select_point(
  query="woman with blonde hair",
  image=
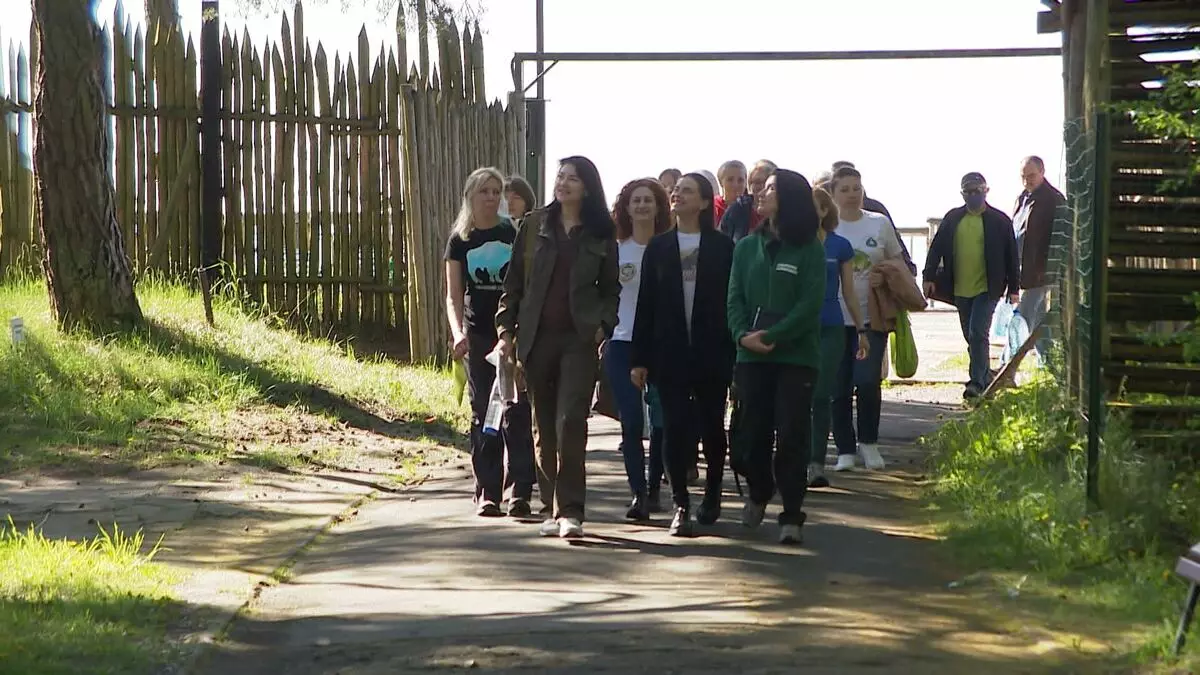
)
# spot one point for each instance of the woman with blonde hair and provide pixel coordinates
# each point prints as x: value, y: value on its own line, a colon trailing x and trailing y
x: 477, y: 257
x: 732, y: 177
x: 839, y: 282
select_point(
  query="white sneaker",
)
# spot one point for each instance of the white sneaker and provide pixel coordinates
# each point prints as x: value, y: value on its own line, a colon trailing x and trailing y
x: 844, y: 463
x: 548, y: 528
x: 570, y: 528
x: 871, y: 457
x: 790, y: 534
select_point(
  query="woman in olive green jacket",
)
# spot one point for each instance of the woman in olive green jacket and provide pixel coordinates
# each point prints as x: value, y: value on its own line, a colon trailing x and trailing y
x: 776, y: 290
x: 559, y: 304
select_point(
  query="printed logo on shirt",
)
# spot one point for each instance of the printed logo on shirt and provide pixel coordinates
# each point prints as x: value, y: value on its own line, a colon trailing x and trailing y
x: 628, y: 272
x: 872, y: 242
x: 488, y: 263
x: 785, y: 267
x: 688, y: 261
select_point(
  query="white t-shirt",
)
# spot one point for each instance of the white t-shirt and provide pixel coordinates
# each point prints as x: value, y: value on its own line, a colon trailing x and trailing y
x: 689, y: 255
x: 874, y: 240
x: 629, y: 262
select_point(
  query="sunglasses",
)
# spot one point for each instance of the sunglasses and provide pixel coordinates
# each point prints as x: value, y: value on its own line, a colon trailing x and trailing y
x: 972, y: 191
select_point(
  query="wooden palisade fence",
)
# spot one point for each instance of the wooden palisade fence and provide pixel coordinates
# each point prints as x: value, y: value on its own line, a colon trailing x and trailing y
x: 341, y: 173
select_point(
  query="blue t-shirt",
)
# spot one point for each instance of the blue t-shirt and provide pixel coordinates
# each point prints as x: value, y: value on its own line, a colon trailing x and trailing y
x: 837, y: 251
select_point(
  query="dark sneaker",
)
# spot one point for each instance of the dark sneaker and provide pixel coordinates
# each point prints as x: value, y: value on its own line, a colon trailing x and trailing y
x: 681, y: 524
x: 638, y: 509
x: 654, y: 501
x: 519, y: 508
x: 816, y: 476
x: 710, y: 509
x: 489, y: 510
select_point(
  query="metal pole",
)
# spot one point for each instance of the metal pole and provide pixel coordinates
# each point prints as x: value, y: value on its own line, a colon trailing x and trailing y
x: 210, y: 140
x: 1096, y: 298
x: 859, y: 55
x: 538, y: 147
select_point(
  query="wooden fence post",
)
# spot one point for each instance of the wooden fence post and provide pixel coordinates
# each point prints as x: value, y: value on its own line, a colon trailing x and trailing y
x: 212, y: 190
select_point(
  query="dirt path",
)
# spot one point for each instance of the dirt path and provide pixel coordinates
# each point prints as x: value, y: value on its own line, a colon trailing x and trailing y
x: 415, y: 583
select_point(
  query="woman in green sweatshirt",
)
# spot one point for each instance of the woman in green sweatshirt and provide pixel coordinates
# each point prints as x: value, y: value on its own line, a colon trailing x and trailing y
x: 776, y: 289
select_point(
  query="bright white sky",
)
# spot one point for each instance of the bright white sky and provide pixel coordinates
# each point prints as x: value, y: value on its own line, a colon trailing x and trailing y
x: 912, y: 127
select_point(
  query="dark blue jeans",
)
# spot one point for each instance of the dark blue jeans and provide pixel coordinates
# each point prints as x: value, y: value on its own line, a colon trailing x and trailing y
x: 861, y: 380
x: 975, y: 317
x: 633, y: 419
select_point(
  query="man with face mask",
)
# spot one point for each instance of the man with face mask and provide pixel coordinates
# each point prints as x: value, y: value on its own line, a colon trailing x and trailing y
x: 972, y: 264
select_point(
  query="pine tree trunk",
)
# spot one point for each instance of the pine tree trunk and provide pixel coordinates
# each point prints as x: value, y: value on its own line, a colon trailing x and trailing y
x: 86, y: 266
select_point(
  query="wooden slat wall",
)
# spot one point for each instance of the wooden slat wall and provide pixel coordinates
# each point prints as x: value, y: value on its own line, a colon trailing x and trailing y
x: 342, y: 175
x: 1153, y: 235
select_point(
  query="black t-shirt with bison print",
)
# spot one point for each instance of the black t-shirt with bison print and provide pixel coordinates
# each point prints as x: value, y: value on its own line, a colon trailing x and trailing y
x: 484, y: 256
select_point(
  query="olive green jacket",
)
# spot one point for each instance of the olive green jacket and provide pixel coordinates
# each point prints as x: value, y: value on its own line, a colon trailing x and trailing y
x: 595, y: 286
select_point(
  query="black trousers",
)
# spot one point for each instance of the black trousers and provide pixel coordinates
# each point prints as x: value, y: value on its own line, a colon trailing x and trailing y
x: 487, y: 450
x: 693, y: 413
x: 775, y: 418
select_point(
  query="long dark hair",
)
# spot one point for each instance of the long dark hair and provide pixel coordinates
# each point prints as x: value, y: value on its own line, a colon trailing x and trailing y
x: 796, y: 219
x: 594, y: 210
x: 662, y: 205
x: 707, y: 215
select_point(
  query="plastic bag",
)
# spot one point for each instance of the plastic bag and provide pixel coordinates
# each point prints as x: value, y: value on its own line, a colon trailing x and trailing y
x: 904, y: 347
x: 459, y: 370
x: 1000, y: 320
x: 1017, y: 333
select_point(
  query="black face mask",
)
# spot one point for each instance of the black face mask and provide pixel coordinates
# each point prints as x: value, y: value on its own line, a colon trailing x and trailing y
x: 974, y: 199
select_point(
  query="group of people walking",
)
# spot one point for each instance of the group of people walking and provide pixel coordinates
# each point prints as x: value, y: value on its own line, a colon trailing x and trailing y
x: 752, y: 286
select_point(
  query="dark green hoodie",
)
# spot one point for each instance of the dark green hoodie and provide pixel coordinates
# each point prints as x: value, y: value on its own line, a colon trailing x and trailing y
x: 783, y: 279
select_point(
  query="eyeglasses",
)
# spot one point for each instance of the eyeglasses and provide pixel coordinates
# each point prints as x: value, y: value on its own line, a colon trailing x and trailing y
x: 972, y: 191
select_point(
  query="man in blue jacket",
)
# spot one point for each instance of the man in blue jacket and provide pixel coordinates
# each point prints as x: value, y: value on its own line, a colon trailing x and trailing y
x: 972, y: 264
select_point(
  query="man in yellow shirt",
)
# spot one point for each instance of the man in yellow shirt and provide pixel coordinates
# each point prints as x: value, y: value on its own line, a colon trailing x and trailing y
x: 972, y: 262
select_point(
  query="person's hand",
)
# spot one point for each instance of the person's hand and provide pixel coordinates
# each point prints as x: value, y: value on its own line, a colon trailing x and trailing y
x: 928, y: 288
x: 458, y: 348
x: 638, y: 377
x: 864, y: 347
x: 504, y: 346
x: 1014, y: 298
x: 754, y: 342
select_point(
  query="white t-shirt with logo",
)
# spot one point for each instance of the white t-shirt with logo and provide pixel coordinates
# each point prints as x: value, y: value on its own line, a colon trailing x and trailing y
x: 689, y: 256
x: 629, y: 266
x: 874, y: 240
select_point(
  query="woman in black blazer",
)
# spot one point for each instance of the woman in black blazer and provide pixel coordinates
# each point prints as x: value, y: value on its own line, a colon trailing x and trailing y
x: 681, y: 343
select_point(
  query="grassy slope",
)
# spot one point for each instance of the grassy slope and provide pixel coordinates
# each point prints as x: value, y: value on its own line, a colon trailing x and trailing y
x: 160, y: 396
x: 1008, y: 490
x: 69, y: 607
x: 178, y: 391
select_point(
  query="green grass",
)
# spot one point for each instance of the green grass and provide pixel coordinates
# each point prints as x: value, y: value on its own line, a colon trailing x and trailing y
x: 1008, y: 493
x: 157, y: 396
x: 101, y: 606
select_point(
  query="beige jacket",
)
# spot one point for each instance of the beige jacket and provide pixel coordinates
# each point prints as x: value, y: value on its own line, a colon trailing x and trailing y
x: 893, y: 288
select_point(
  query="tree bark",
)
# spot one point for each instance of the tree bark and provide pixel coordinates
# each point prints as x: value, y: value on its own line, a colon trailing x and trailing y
x: 86, y: 266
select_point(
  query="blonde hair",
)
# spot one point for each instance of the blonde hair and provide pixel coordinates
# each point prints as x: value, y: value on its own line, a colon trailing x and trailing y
x: 766, y: 164
x: 464, y: 223
x: 731, y: 165
x: 824, y: 200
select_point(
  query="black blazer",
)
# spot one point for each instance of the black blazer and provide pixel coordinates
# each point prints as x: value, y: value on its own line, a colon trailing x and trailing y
x: 999, y: 252
x: 660, y: 334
